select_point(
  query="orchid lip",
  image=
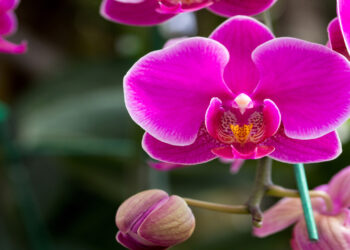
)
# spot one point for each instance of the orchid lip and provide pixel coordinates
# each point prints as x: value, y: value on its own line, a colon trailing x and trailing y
x: 242, y: 123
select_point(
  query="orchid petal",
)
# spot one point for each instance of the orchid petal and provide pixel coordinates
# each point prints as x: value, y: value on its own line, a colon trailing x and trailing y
x: 224, y: 152
x: 173, y: 41
x: 196, y: 153
x: 308, y: 82
x: 168, y: 91
x: 334, y: 233
x: 6, y: 5
x: 241, y: 35
x: 11, y: 48
x: 213, y: 116
x: 286, y: 212
x: 344, y: 20
x: 230, y: 8
x: 164, y: 166
x: 259, y: 152
x: 290, y: 150
x: 272, y: 118
x: 171, y: 6
x: 236, y: 166
x: 8, y: 23
x: 253, y: 152
x: 142, y: 13
x: 336, y: 39
x: 339, y: 187
x: 130, y: 1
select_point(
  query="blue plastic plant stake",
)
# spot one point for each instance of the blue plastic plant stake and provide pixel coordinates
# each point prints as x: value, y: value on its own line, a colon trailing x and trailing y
x: 305, y: 201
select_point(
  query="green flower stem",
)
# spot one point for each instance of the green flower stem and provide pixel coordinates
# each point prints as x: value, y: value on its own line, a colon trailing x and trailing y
x: 231, y: 209
x: 278, y: 191
x: 261, y: 185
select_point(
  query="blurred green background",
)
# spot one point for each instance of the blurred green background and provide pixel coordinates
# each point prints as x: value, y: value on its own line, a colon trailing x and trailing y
x: 70, y: 154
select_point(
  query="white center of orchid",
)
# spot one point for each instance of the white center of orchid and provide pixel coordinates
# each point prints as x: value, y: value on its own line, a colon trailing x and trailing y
x: 243, y: 102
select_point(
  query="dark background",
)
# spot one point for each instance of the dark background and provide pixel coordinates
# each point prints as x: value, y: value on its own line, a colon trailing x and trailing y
x: 70, y: 153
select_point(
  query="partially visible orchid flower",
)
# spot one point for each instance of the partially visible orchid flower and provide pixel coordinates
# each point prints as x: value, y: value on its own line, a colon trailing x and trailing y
x: 8, y: 25
x: 164, y: 166
x: 154, y: 220
x: 152, y: 12
x: 241, y: 94
x: 333, y: 221
x: 339, y: 29
x: 236, y: 164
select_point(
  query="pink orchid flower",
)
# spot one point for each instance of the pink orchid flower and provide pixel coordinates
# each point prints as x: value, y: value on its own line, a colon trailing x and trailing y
x: 333, y: 224
x: 240, y: 94
x: 8, y: 25
x: 339, y: 29
x: 151, y: 12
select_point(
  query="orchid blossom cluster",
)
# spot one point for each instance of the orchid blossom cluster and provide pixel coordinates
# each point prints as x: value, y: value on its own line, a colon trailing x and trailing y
x: 239, y: 94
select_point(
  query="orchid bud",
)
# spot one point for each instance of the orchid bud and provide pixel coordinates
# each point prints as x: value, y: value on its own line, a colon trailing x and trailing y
x: 154, y: 220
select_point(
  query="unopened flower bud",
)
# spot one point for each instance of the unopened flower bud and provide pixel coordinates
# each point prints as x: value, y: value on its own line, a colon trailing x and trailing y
x: 154, y: 220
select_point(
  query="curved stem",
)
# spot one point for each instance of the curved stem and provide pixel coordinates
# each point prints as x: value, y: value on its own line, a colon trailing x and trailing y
x: 262, y: 182
x: 237, y: 209
x: 278, y: 191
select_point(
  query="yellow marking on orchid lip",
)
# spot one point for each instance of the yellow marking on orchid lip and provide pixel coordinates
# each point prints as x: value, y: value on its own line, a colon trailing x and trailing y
x: 241, y: 133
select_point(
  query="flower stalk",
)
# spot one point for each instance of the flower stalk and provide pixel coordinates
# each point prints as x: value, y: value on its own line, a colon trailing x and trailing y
x: 232, y: 209
x: 261, y: 185
x: 278, y: 191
